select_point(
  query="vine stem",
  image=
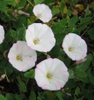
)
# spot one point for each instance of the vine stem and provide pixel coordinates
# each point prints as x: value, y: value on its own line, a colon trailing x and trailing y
x: 30, y: 3
x: 6, y: 76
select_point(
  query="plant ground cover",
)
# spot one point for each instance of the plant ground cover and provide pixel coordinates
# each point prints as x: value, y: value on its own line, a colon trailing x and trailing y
x: 68, y: 16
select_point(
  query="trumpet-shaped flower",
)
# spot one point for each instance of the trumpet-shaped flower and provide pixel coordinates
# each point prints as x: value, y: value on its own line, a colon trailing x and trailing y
x: 74, y: 46
x: 40, y: 37
x: 51, y: 74
x: 42, y: 12
x: 21, y: 56
x: 2, y: 33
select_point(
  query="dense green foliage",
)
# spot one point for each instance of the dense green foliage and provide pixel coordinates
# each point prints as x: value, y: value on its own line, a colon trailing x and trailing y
x: 68, y: 16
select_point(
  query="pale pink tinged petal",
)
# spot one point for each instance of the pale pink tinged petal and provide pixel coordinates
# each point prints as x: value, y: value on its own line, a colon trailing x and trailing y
x: 26, y: 59
x: 59, y: 74
x: 17, y: 47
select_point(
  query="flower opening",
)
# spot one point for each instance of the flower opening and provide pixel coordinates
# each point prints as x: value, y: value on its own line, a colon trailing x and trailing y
x: 19, y: 57
x: 70, y: 49
x: 38, y: 15
x: 49, y: 75
x: 36, y: 41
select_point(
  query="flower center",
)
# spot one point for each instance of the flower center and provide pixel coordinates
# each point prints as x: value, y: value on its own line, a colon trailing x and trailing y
x: 70, y: 49
x: 38, y: 15
x: 36, y: 41
x: 19, y: 57
x: 49, y: 75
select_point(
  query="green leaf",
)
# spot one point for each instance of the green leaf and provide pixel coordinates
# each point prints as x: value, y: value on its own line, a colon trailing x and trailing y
x: 20, y: 96
x: 91, y: 33
x: 30, y: 74
x: 73, y: 21
x: 49, y: 1
x: 62, y: 7
x: 91, y: 77
x: 85, y: 65
x: 77, y: 91
x: 32, y: 96
x: 21, y: 4
x: 93, y: 59
x: 10, y: 96
x: 38, y: 1
x: 21, y: 33
x: 81, y: 73
x: 59, y: 95
x: 85, y: 20
x: 71, y: 74
x: 55, y: 51
x: 59, y: 26
x: 55, y: 10
x: 1, y: 56
x: 2, y: 97
x: 22, y: 21
x: 50, y: 95
x: 21, y: 84
x: 87, y: 11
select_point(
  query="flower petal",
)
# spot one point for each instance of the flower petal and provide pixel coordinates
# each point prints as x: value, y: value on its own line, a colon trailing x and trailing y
x: 42, y: 12
x: 74, y: 46
x: 2, y: 33
x: 26, y: 56
x: 57, y: 71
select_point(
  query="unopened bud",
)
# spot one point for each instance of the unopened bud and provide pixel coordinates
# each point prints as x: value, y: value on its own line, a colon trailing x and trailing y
x: 23, y: 13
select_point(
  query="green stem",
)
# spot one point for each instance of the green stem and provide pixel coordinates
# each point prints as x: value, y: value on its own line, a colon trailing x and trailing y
x: 30, y: 3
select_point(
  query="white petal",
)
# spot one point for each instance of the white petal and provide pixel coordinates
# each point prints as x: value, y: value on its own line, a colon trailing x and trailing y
x: 77, y: 43
x: 28, y: 55
x: 43, y: 12
x: 2, y: 33
x: 44, y: 34
x: 58, y: 71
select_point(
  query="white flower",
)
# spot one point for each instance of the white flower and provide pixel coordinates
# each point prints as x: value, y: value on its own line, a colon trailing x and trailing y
x: 2, y: 33
x: 74, y: 46
x: 21, y: 56
x: 40, y: 37
x: 51, y: 74
x: 42, y: 12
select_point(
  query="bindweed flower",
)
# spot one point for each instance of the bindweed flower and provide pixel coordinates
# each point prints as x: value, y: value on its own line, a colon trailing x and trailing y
x: 21, y: 56
x: 74, y: 46
x: 2, y: 33
x: 42, y: 12
x: 51, y: 74
x: 40, y: 37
